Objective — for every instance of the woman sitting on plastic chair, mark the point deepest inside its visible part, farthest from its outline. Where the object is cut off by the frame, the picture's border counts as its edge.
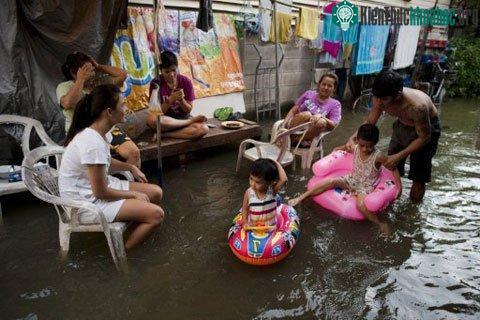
(87, 159)
(317, 106)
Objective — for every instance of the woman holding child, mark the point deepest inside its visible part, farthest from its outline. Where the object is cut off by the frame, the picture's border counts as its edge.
(176, 95)
(82, 73)
(317, 106)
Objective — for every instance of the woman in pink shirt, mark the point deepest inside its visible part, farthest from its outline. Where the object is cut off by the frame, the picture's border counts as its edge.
(175, 97)
(317, 106)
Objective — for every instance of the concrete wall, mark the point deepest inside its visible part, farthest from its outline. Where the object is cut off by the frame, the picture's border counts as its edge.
(295, 74)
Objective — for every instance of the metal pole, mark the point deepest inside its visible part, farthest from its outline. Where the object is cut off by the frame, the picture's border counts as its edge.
(277, 81)
(159, 152)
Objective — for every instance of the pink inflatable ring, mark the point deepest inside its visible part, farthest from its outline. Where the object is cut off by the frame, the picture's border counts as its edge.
(262, 245)
(339, 201)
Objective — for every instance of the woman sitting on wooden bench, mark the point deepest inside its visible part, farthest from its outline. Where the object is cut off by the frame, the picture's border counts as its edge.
(175, 96)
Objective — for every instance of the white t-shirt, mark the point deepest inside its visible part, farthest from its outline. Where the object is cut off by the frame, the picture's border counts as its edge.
(87, 147)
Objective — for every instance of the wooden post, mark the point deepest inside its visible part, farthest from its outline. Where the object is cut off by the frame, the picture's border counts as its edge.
(159, 152)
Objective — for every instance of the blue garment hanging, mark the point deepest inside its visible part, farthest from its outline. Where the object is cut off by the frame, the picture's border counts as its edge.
(351, 35)
(370, 49)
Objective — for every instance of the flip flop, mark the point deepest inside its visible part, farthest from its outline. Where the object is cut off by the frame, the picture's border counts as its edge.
(223, 113)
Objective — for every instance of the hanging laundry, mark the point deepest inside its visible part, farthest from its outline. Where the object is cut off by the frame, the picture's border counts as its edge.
(349, 38)
(329, 7)
(347, 51)
(205, 16)
(284, 28)
(307, 27)
(406, 46)
(325, 58)
(370, 50)
(266, 16)
(332, 35)
(317, 43)
(351, 35)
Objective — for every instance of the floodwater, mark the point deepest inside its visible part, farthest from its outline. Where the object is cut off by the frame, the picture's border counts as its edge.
(428, 269)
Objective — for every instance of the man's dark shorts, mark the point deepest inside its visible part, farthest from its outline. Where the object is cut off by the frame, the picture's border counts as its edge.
(420, 160)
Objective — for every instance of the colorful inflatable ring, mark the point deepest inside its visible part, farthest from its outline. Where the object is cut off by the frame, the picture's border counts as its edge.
(261, 246)
(340, 202)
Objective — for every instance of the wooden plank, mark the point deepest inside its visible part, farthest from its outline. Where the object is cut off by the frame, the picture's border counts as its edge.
(215, 137)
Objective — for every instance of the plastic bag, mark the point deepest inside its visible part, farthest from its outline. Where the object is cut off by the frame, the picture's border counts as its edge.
(154, 105)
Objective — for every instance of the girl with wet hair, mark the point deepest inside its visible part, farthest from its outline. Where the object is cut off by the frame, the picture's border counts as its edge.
(83, 173)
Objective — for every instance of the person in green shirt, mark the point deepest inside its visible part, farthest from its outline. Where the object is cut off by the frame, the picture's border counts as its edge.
(82, 74)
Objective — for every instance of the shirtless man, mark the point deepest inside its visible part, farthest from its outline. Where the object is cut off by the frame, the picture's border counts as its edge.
(415, 132)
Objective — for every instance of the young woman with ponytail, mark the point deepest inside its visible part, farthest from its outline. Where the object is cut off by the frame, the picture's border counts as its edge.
(83, 173)
(82, 73)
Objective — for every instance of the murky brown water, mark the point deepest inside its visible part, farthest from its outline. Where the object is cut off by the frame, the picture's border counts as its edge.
(428, 269)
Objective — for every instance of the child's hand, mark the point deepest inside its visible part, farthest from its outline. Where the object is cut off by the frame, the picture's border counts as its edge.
(293, 202)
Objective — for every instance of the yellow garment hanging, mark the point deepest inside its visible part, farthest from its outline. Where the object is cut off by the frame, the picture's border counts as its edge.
(284, 28)
(307, 27)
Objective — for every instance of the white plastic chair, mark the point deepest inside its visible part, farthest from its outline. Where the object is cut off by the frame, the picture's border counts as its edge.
(306, 154)
(73, 216)
(29, 124)
(277, 149)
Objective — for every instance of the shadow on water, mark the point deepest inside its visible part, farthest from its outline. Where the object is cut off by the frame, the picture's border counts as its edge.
(428, 268)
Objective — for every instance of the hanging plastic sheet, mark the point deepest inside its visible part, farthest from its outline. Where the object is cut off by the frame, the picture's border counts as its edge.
(35, 39)
(211, 59)
(133, 51)
(370, 51)
(168, 29)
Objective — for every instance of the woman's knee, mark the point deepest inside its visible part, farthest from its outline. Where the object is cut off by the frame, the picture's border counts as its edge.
(157, 193)
(157, 215)
(200, 129)
(305, 115)
(152, 121)
(130, 152)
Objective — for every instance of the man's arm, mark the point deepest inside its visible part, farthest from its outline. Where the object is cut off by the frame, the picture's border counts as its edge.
(421, 120)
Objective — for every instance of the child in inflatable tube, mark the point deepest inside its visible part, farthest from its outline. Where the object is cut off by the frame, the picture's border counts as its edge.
(362, 179)
(265, 230)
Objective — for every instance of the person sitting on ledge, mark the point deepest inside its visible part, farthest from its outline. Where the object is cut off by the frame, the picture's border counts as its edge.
(175, 96)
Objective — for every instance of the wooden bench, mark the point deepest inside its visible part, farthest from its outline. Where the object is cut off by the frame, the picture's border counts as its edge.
(215, 137)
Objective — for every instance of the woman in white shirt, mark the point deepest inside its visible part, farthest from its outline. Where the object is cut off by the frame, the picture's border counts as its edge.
(86, 162)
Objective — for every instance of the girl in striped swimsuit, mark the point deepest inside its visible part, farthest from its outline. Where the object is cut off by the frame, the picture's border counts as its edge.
(259, 208)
